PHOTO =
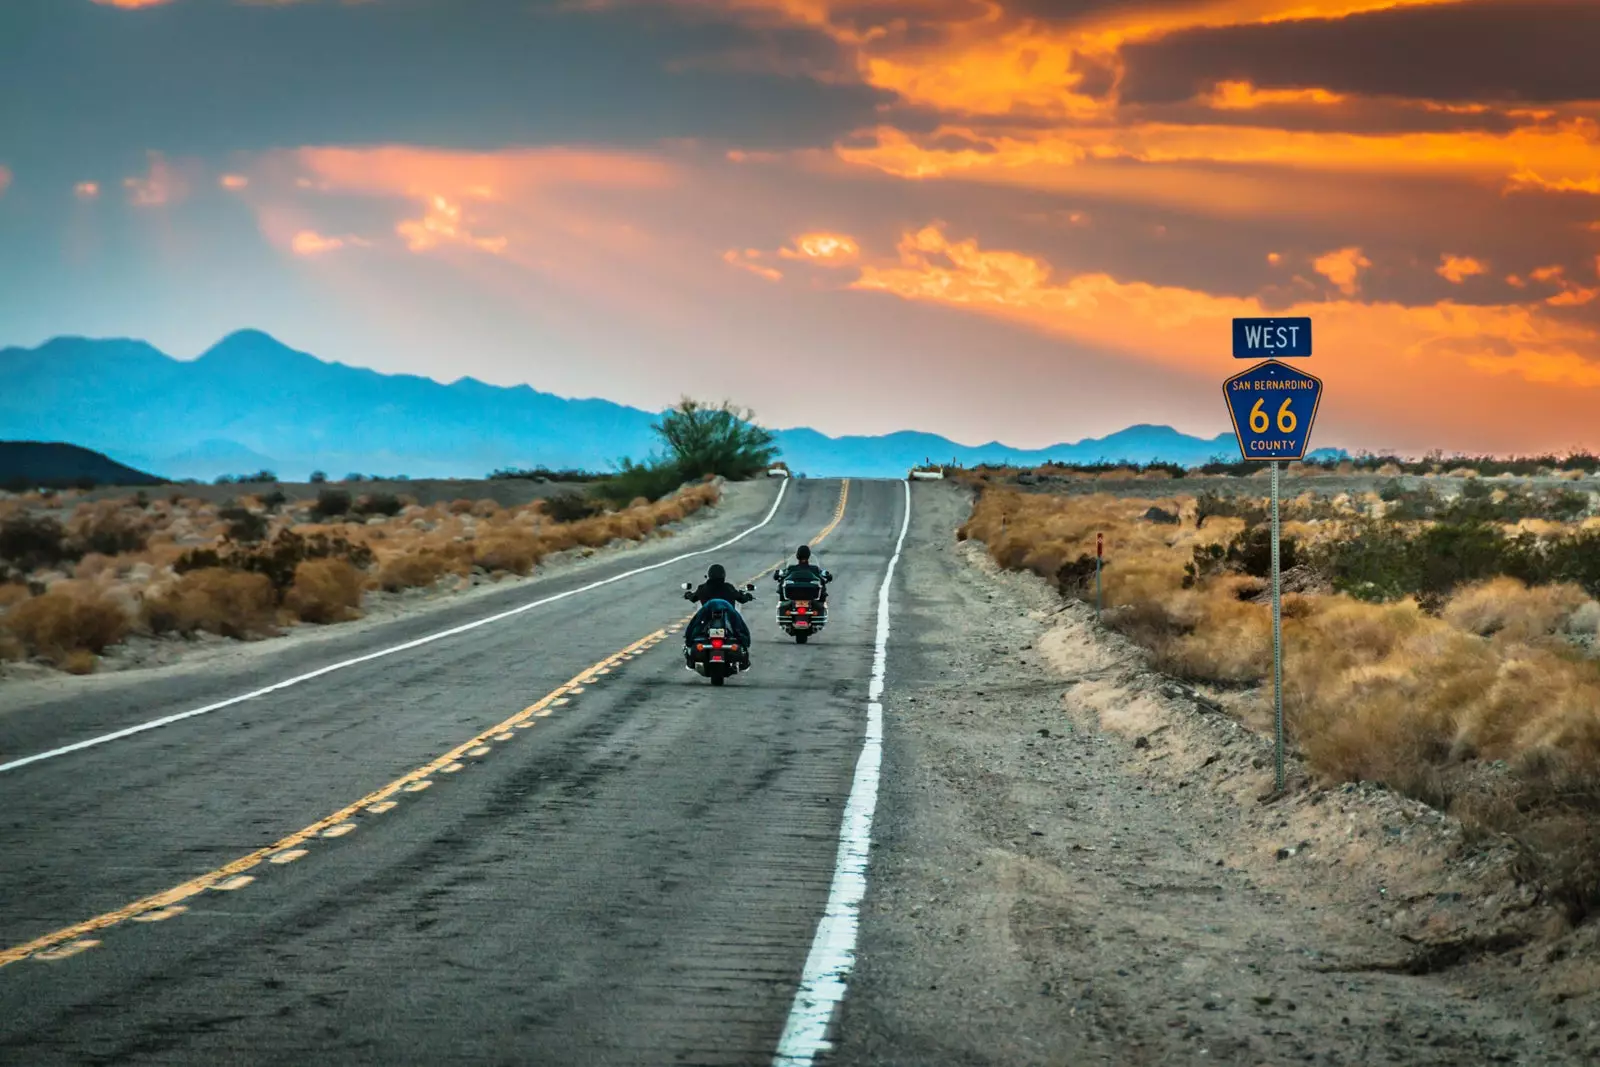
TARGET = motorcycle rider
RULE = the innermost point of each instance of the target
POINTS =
(716, 587)
(805, 572)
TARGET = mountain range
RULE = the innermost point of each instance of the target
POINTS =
(251, 403)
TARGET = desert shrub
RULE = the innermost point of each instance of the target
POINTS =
(651, 480)
(379, 504)
(568, 506)
(62, 621)
(1209, 505)
(720, 440)
(79, 661)
(319, 477)
(278, 559)
(517, 553)
(1075, 578)
(413, 570)
(325, 590)
(218, 600)
(330, 504)
(274, 500)
(244, 525)
(29, 542)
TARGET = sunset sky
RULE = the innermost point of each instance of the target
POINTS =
(1025, 220)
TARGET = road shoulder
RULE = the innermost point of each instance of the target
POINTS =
(1072, 864)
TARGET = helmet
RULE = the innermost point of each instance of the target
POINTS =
(802, 553)
(716, 573)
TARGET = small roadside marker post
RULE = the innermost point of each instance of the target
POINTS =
(1099, 551)
(1272, 406)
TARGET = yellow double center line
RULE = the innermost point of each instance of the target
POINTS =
(168, 903)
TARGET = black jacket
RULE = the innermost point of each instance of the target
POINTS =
(720, 591)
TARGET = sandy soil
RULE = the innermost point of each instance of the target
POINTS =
(1077, 861)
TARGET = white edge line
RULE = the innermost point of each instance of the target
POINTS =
(168, 720)
(833, 950)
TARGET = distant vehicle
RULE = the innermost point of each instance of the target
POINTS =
(777, 472)
(802, 609)
(937, 472)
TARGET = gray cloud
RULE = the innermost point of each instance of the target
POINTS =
(1523, 50)
(208, 78)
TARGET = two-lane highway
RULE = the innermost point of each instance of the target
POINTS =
(538, 840)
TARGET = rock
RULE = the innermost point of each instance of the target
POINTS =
(1141, 742)
(1161, 516)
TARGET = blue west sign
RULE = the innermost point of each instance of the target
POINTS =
(1272, 406)
(1270, 338)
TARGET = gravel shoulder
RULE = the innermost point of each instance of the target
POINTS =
(1074, 863)
(23, 685)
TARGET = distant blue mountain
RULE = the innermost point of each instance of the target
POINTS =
(252, 403)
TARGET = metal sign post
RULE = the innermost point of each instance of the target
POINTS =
(1277, 642)
(1272, 406)
(1099, 551)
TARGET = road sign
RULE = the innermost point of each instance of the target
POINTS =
(1269, 338)
(1273, 406)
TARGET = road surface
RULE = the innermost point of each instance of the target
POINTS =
(631, 873)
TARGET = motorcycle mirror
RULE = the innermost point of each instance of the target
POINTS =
(751, 586)
(688, 587)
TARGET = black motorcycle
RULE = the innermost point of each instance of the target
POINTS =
(802, 611)
(714, 652)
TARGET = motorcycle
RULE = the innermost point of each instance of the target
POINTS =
(714, 654)
(801, 609)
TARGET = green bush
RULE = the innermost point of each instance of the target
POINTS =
(29, 542)
(570, 506)
(652, 480)
(244, 525)
(379, 504)
(331, 503)
(720, 440)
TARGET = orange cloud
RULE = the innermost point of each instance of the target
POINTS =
(233, 181)
(132, 4)
(311, 243)
(1242, 96)
(745, 261)
(823, 249)
(162, 185)
(1183, 328)
(1573, 147)
(86, 190)
(461, 194)
(1457, 269)
(1343, 268)
(5, 178)
(442, 224)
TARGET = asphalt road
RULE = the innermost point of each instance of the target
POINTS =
(632, 874)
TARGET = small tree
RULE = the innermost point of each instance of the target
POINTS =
(319, 477)
(715, 440)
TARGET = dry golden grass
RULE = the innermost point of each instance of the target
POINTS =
(1506, 608)
(1380, 692)
(12, 594)
(325, 591)
(217, 600)
(131, 574)
(71, 617)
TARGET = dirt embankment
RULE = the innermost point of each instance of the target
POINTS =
(1075, 863)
